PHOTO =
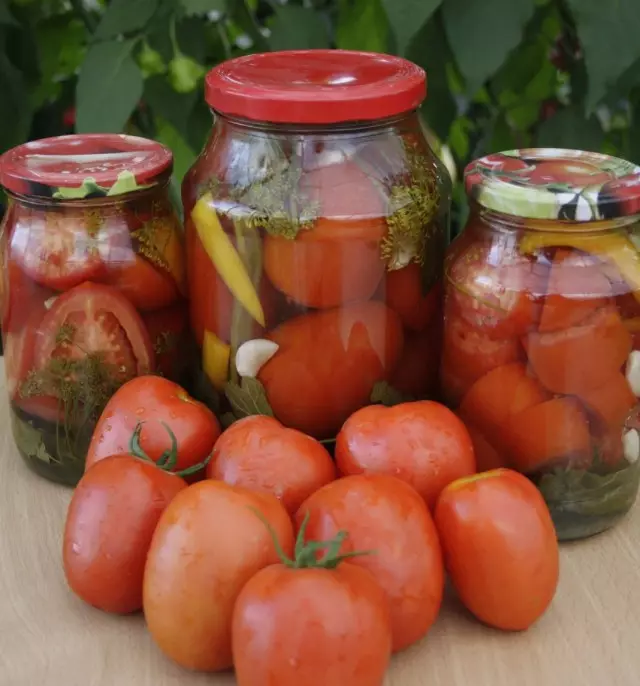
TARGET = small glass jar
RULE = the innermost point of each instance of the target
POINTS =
(541, 345)
(93, 286)
(316, 222)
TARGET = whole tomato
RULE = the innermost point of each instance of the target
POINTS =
(328, 363)
(110, 521)
(151, 401)
(385, 515)
(312, 621)
(403, 294)
(262, 455)
(422, 443)
(209, 542)
(500, 547)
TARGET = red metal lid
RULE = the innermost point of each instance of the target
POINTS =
(84, 165)
(315, 86)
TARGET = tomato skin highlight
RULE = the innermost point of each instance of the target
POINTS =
(422, 443)
(384, 514)
(111, 518)
(325, 626)
(500, 547)
(208, 544)
(260, 454)
(152, 400)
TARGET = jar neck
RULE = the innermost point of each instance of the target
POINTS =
(490, 220)
(406, 119)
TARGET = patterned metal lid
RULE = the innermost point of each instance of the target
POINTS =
(554, 183)
(84, 166)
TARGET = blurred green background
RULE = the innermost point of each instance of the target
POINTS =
(502, 73)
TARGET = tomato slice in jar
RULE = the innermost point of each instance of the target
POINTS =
(93, 319)
(576, 287)
(580, 358)
(468, 353)
(55, 249)
(494, 288)
(611, 402)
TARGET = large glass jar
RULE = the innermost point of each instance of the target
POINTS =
(93, 286)
(316, 221)
(541, 350)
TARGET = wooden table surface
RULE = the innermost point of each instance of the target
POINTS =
(589, 637)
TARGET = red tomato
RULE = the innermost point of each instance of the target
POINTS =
(623, 194)
(571, 171)
(500, 547)
(18, 352)
(416, 374)
(262, 455)
(385, 515)
(20, 296)
(95, 319)
(421, 442)
(494, 288)
(146, 286)
(153, 401)
(111, 518)
(403, 293)
(468, 354)
(55, 249)
(209, 542)
(328, 363)
(325, 626)
(168, 330)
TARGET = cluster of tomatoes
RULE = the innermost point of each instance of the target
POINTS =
(254, 549)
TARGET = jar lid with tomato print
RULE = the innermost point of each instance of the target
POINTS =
(85, 166)
(315, 87)
(553, 183)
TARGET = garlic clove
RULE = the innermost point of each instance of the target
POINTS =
(631, 446)
(632, 372)
(252, 355)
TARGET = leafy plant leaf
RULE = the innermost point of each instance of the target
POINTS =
(430, 50)
(6, 17)
(240, 14)
(295, 28)
(15, 105)
(385, 394)
(109, 87)
(407, 17)
(608, 34)
(183, 155)
(362, 25)
(194, 7)
(482, 34)
(29, 439)
(248, 398)
(125, 16)
(569, 128)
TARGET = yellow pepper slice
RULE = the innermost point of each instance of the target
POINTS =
(215, 359)
(225, 257)
(615, 247)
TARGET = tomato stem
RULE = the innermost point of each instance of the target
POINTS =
(306, 552)
(169, 458)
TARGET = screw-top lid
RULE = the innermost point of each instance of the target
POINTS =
(553, 183)
(84, 165)
(315, 86)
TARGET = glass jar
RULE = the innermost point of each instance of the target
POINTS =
(541, 350)
(93, 286)
(316, 222)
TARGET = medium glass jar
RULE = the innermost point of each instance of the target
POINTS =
(316, 221)
(541, 350)
(93, 286)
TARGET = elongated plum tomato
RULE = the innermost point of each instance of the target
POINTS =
(209, 542)
(111, 518)
(262, 455)
(337, 260)
(422, 443)
(152, 401)
(387, 516)
(328, 363)
(312, 621)
(500, 547)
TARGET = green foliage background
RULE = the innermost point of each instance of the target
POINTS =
(502, 73)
